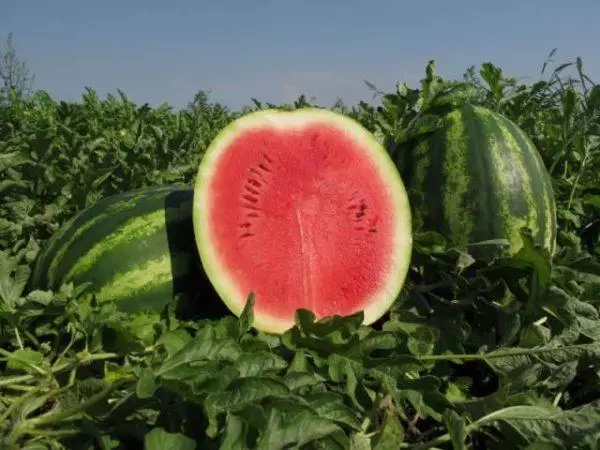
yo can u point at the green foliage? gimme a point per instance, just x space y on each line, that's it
56 158
474 354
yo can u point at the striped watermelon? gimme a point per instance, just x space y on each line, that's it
479 177
136 248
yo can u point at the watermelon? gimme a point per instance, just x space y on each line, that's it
479 177
305 209
135 248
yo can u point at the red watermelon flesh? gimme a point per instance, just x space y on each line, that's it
306 210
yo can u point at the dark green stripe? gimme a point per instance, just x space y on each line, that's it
40 271
548 198
458 212
540 184
534 178
427 181
518 173
486 188
442 173
153 300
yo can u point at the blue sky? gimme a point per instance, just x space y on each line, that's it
276 49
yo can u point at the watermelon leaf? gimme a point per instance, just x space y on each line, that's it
457 429
159 439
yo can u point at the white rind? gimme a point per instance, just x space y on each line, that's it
220 277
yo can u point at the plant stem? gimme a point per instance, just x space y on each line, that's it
57 433
441 439
66 414
60 368
33 339
557 399
16 403
497 354
30 426
5 381
21 387
18 335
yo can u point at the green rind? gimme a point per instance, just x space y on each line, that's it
136 249
479 177
221 277
72 231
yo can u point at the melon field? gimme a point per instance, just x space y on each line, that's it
469 273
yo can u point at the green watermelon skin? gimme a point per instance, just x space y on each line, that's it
479 177
136 249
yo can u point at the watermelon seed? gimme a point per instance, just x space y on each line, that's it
252 190
267 158
250 198
245 225
259 174
372 230
253 182
246 235
252 214
263 167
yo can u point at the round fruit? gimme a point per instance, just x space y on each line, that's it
306 210
479 177
136 249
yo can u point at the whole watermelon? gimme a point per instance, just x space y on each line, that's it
136 249
479 177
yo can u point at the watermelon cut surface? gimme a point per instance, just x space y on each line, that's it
305 209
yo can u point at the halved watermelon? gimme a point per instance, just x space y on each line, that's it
305 209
